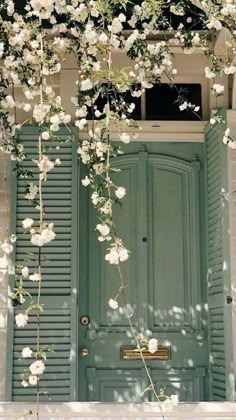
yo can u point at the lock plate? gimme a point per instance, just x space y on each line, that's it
84 320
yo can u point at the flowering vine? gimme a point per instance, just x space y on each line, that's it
92 30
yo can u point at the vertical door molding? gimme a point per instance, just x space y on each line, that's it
195 244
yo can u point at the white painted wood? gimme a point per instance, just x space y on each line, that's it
168 131
135 411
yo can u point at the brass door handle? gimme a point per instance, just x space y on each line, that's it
84 352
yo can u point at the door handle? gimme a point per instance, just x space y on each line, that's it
84 352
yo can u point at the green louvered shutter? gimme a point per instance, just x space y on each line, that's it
218 270
59 277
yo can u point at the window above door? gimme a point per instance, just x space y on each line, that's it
160 102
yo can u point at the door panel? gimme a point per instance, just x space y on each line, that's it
159 222
169 263
104 281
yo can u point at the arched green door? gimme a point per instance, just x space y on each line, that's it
160 224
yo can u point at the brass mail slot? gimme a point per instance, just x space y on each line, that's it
130 353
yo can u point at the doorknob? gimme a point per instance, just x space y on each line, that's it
84 352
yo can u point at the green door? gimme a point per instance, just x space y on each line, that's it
160 222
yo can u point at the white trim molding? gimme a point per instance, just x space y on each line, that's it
121 411
167 131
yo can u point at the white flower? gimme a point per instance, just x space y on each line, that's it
33 379
81 112
103 229
24 383
85 182
6 247
174 399
177 10
218 88
120 192
125 138
1 49
34 277
45 165
27 223
123 254
152 345
97 113
95 198
57 162
26 352
33 190
27 107
13 238
81 123
214 23
183 106
37 367
103 38
8 102
46 236
232 144
112 257
86 85
229 70
25 272
21 320
113 304
40 112
45 135
209 74
122 17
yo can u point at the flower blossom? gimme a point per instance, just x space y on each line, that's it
152 345
26 352
44 237
33 190
125 138
21 320
33 379
27 223
35 277
103 229
116 255
85 182
120 192
86 85
25 272
37 367
45 165
113 304
218 89
6 247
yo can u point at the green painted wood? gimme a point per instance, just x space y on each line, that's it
218 269
162 205
59 319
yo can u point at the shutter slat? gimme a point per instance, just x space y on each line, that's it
55 322
219 334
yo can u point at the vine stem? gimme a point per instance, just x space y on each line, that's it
40 225
116 239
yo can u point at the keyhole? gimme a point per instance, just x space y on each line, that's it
144 239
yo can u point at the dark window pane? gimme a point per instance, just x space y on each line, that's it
161 105
128 99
